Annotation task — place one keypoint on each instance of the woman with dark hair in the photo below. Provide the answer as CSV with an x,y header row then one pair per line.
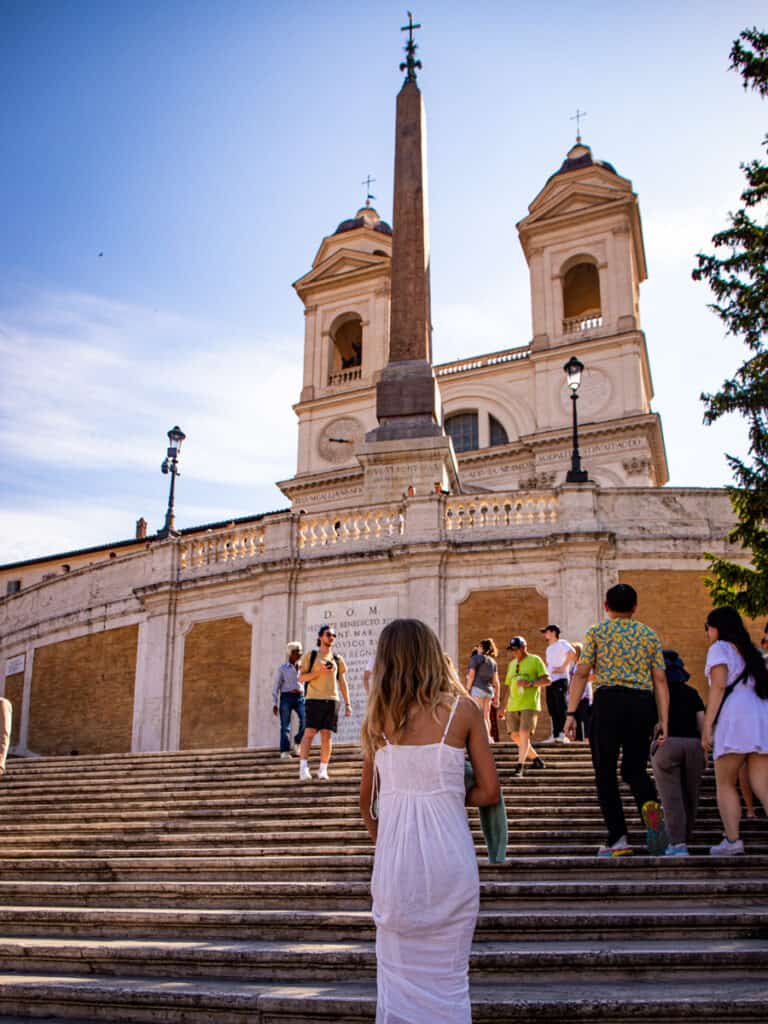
x,y
736,721
483,679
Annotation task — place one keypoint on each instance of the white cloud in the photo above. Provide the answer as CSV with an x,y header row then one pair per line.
x,y
90,383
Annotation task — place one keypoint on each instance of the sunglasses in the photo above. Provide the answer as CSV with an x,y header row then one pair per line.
x,y
331,635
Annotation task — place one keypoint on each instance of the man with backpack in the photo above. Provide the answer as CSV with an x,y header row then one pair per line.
x,y
323,674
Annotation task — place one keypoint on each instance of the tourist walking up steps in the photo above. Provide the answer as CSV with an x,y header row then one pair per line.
x,y
288,699
483,679
521,701
629,672
6,718
559,655
323,674
418,727
679,762
736,720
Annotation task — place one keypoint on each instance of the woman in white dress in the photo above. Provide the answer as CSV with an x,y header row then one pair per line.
x,y
426,889
736,720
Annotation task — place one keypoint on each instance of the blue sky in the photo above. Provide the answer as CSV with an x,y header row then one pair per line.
x,y
204,150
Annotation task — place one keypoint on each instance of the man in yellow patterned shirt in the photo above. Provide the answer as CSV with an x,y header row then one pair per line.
x,y
630,706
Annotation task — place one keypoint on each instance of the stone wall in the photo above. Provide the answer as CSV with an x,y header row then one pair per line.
x,y
14,692
675,603
82,694
214,706
501,613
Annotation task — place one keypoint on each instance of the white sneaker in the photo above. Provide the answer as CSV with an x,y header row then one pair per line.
x,y
305,775
284,756
726,848
561,738
549,739
322,774
295,750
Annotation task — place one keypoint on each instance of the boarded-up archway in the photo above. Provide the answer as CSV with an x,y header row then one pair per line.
x,y
217,666
501,613
83,693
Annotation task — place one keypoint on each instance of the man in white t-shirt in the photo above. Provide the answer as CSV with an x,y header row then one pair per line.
x,y
559,656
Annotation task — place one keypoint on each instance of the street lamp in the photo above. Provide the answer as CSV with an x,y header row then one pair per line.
x,y
573,371
176,437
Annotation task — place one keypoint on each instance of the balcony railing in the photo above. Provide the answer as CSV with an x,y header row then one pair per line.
x,y
499,511
585,322
509,355
241,544
344,376
348,528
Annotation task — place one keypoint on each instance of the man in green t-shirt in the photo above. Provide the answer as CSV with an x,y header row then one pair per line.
x,y
521,701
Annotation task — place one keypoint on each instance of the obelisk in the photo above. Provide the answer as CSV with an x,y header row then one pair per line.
x,y
409,439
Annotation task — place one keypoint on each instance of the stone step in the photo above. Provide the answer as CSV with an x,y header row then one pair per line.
x,y
328,868
655,919
184,830
349,894
153,1001
80,817
316,961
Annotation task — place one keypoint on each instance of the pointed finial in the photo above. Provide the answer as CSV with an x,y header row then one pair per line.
x,y
410,63
577,118
369,195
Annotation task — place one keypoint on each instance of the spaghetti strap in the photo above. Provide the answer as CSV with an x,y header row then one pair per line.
x,y
450,718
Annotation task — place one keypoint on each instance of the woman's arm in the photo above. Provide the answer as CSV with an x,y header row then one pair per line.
x,y
486,791
718,680
496,689
470,678
366,788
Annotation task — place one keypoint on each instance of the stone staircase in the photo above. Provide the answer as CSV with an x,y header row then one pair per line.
x,y
214,887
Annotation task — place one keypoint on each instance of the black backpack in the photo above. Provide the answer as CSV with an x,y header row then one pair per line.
x,y
313,659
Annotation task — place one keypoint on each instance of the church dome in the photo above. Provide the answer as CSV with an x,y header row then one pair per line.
x,y
579,157
366,217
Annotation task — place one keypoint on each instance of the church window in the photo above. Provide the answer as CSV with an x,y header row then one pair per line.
x,y
462,429
581,299
498,434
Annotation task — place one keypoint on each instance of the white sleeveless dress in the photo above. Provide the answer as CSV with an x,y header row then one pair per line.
x,y
742,727
425,886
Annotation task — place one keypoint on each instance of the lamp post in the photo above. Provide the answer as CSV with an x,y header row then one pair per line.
x,y
176,437
573,371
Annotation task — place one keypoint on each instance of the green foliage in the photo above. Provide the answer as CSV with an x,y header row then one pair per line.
x,y
737,274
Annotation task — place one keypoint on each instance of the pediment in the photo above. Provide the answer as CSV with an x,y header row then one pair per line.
x,y
343,263
567,201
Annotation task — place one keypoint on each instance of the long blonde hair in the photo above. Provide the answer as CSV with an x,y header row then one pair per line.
x,y
410,668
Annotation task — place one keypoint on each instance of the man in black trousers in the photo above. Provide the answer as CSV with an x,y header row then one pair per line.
x,y
630,707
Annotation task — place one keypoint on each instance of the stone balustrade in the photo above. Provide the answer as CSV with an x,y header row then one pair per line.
x,y
499,511
345,376
237,544
585,322
366,526
509,355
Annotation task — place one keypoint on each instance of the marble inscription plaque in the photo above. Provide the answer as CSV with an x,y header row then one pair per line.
x,y
357,622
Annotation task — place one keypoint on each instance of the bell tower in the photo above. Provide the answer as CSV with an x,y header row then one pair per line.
x,y
583,242
346,341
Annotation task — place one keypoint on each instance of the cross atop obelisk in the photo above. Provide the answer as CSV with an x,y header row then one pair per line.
x,y
410,63
407,397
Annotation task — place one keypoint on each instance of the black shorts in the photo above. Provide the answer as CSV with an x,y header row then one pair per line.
x,y
322,714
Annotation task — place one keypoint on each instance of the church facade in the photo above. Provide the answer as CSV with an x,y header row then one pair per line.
x,y
172,643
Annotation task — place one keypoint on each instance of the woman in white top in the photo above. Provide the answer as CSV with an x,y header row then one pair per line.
x,y
425,885
736,720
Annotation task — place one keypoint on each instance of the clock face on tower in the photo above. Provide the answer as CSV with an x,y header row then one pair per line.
x,y
339,439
